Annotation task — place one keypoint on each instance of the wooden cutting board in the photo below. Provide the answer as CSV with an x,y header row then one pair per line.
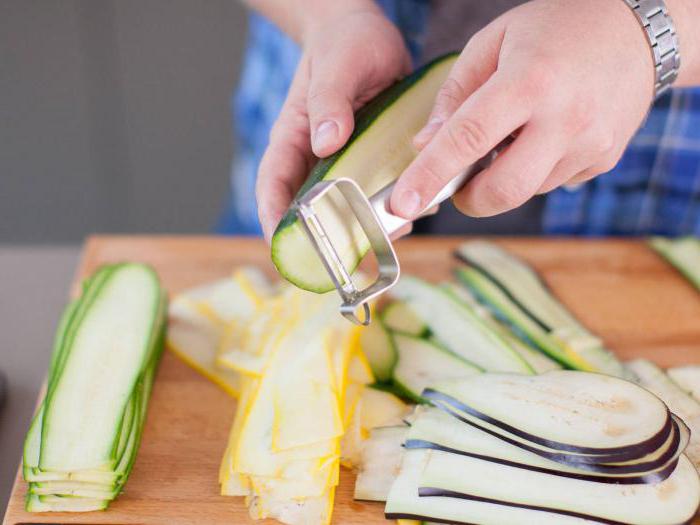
x,y
619,288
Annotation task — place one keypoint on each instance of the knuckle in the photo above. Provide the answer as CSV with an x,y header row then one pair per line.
x,y
431,179
293,119
290,130
450,94
580,115
540,77
467,139
503,197
319,95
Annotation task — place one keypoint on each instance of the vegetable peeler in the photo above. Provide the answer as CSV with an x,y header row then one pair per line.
x,y
378,224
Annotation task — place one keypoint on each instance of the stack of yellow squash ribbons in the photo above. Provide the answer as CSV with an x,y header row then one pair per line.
x,y
300,377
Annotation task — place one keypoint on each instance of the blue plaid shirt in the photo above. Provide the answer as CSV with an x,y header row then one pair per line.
x,y
654,189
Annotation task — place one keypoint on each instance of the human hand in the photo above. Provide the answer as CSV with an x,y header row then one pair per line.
x,y
347,58
573,79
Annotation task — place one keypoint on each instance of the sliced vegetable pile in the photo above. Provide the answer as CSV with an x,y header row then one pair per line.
x,y
562,447
492,442
674,388
683,253
516,295
204,317
301,381
500,318
83,440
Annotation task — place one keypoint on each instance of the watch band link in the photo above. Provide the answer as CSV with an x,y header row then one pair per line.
x,y
661,33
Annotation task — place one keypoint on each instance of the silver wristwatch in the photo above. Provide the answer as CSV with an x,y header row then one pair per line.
x,y
661,34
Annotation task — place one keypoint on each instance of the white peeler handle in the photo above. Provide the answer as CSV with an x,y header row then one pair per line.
x,y
392,223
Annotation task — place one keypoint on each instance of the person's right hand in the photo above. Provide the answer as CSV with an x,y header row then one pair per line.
x,y
348,57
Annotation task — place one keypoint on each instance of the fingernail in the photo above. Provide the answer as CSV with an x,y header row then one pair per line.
x,y
425,134
325,136
409,203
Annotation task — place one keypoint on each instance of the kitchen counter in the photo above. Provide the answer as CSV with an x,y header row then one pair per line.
x,y
34,284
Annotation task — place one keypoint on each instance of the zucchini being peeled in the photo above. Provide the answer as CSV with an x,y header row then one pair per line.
x,y
378,151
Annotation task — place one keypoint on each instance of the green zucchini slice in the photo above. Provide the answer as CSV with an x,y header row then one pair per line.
x,y
457,327
422,363
378,151
517,295
109,349
82,443
399,317
683,253
378,347
538,361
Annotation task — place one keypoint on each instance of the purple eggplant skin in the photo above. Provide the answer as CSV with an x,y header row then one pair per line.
x,y
607,455
656,476
427,492
418,517
591,463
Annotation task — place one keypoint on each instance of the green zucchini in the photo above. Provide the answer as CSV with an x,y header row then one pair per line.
x,y
399,317
517,296
378,346
82,443
457,327
683,253
422,363
538,361
108,351
378,151
34,503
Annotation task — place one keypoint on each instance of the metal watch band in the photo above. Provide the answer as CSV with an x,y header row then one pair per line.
x,y
661,34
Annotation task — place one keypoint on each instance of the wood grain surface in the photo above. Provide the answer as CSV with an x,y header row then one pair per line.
x,y
620,289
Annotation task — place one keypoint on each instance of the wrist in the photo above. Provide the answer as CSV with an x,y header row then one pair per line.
x,y
319,13
685,14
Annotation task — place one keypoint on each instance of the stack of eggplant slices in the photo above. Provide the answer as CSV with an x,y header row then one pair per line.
x,y
563,447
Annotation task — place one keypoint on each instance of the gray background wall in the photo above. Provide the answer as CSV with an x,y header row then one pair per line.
x,y
114,115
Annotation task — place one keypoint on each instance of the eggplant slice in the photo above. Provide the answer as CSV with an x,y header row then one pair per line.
x,y
405,503
564,411
674,500
437,430
654,460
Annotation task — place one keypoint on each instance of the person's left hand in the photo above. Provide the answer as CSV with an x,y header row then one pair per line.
x,y
573,79
349,56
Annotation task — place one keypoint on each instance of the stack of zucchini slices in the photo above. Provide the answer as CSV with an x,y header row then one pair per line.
x,y
562,447
516,295
83,440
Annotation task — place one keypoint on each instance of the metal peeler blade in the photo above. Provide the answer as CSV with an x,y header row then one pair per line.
x,y
378,223
388,264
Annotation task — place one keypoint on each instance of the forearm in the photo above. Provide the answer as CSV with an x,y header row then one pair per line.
x,y
686,16
296,17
